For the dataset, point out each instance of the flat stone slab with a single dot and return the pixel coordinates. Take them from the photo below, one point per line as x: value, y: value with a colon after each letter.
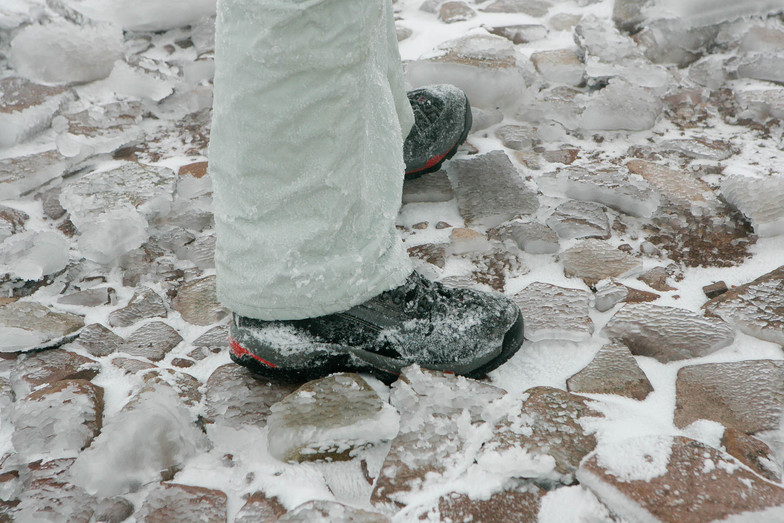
x: 145, y: 304
x: 753, y: 453
x: 490, y: 191
x: 680, y: 188
x: 678, y: 480
x: 612, y: 371
x: 555, y: 313
x: 761, y: 200
x: 197, y: 303
x: 699, y: 148
x: 744, y: 395
x: 532, y: 237
x: 321, y: 510
x: 595, y: 260
x: 576, y: 219
x: 98, y: 340
x: 535, y: 8
x: 152, y: 341
x: 173, y: 502
x: 260, y: 508
x: 517, y: 137
x: 329, y: 419
x: 523, y: 504
x: 27, y: 108
x: 667, y: 333
x: 559, y: 66
x: 28, y: 325
x: 756, y: 308
x: 520, y: 33
x: 49, y: 366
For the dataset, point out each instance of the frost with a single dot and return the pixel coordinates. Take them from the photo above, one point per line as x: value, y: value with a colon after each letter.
x: 553, y: 312
x: 636, y: 459
x: 32, y: 255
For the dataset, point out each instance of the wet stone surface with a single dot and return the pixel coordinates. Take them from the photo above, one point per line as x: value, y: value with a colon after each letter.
x: 98, y: 340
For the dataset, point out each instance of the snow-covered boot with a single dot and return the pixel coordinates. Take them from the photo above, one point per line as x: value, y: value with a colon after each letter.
x: 442, y: 120
x: 460, y: 331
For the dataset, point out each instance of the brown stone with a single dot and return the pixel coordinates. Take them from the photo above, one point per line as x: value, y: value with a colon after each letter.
x: 612, y: 371
x: 564, y: 156
x: 260, y: 509
x: 553, y: 312
x: 98, y: 340
x: 679, y: 187
x: 50, y: 366
x: 521, y: 505
x: 745, y: 395
x: 197, y: 303
x: 420, y: 226
x: 333, y: 512
x: 432, y: 253
x: 215, y: 338
x: 656, y: 278
x: 49, y: 496
x: 146, y: 304
x: 455, y: 11
x: 132, y: 366
x: 197, y: 170
x: 152, y: 341
x: 50, y: 328
x: 715, y: 289
x: 752, y: 452
x: 182, y: 363
x: 595, y: 260
x: 639, y: 296
x: 683, y: 481
x: 174, y: 502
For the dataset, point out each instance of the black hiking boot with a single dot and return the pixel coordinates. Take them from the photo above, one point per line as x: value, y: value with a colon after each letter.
x: 442, y: 120
x: 452, y: 330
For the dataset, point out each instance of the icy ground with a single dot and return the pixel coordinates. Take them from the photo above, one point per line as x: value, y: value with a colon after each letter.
x: 622, y: 183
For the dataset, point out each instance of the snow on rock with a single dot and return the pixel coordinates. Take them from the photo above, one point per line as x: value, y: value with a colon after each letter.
x: 154, y: 433
x: 322, y: 511
x: 65, y: 53
x: 144, y: 304
x: 576, y: 219
x: 675, y: 41
x: 484, y: 66
x: 699, y: 148
x: 518, y: 137
x: 763, y: 66
x: 12, y: 221
x: 112, y: 510
x: 522, y: 503
x: 761, y: 104
x: 745, y: 395
x: 49, y: 366
x: 756, y: 308
x: 612, y: 371
x: 57, y: 421
x: 111, y: 234
x: 22, y: 174
x: 260, y: 508
x: 490, y: 190
x: 554, y: 313
x: 234, y: 398
x: 98, y: 340
x: 152, y: 341
x: 98, y: 130
x: 28, y: 325
x: 575, y: 504
x: 128, y: 80
x: 31, y: 255
x: 704, y: 12
x: 621, y: 106
x: 433, y: 187
x: 27, y: 108
x: 451, y: 12
x: 595, y: 260
x: 50, y: 496
x: 649, y: 478
x: 561, y: 66
x: 146, y: 15
x: 753, y: 453
x: 667, y: 333
x: 532, y: 237
x: 90, y: 297
x: 534, y: 8
x: 329, y: 419
x: 197, y: 304
x: 678, y: 188
x: 609, y: 187
x: 759, y: 199
x: 520, y: 33
x: 174, y: 502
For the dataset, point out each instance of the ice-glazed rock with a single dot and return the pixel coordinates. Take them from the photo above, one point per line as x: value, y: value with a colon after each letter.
x: 612, y: 371
x: 756, y: 308
x: 490, y: 190
x: 146, y: 15
x: 628, y: 14
x: 554, y: 313
x: 50, y: 496
x: 65, y: 53
x: 132, y: 81
x: 321, y: 511
x: 709, y: 71
x: 699, y: 148
x: 564, y: 155
x: 25, y: 173
x: 143, y: 305
x: 98, y: 130
x: 532, y: 237
x: 621, y: 106
x: 517, y: 137
x: 175, y: 502
x: 201, y: 252
x: 609, y: 187
x: 761, y: 104
x: 215, y: 338
x: 111, y: 234
x: 90, y: 297
x: 98, y: 340
x: 27, y: 108
x: 678, y: 188
x: 576, y: 219
x: 667, y: 333
x: 535, y: 8
x: 609, y: 296
x: 329, y: 419
x: 197, y: 304
x: 595, y: 260
x: 12, y: 221
x: 433, y: 187
x: 705, y: 12
x: 440, y: 416
x: 131, y: 365
x: 260, y: 508
x: 50, y: 366
x: 484, y: 66
x: 765, y: 36
x: 453, y: 11
x: 28, y: 325
x: 649, y: 478
x: 31, y: 255
x: 523, y: 504
x: 234, y: 398
x: 57, y: 421
x: 745, y: 395
x: 113, y: 510
x: 752, y: 452
x: 153, y: 341
x: 767, y: 66
x: 559, y: 66
x: 520, y: 33
x: 673, y: 41
x: 760, y: 199
x: 154, y: 434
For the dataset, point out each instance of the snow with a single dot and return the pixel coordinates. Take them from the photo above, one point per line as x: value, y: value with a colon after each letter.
x: 111, y: 234
x: 145, y: 15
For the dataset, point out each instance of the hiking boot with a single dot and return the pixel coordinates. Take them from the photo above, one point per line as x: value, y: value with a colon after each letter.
x: 442, y: 120
x: 421, y: 322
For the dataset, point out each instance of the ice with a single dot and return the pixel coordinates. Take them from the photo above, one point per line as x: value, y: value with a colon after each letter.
x: 532, y: 237
x: 576, y: 219
x: 675, y: 41
x: 621, y: 106
x: 761, y: 104
x: 484, y: 66
x: 98, y: 130
x: 705, y: 12
x: 767, y: 66
x: 521, y: 33
x: 709, y: 71
x: 574, y: 504
x: 760, y: 199
x: 18, y: 331
x: 23, y: 174
x: 203, y: 34
x: 554, y: 313
x: 32, y: 255
x: 136, y: 82
x: 433, y: 187
x: 517, y: 137
x: 111, y: 234
x: 27, y: 108
x: 136, y: 445
x: 65, y: 53
x: 595, y: 260
x: 146, y: 15
x: 559, y: 66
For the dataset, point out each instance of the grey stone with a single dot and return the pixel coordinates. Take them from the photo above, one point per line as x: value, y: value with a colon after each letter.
x: 627, y: 14
x: 197, y: 303
x: 761, y: 104
x: 667, y: 333
x: 553, y: 312
x: 112, y: 510
x: 455, y: 11
x: 49, y: 366
x: 595, y: 260
x: 612, y: 371
x: 98, y: 340
x: 763, y: 66
x: 432, y: 187
x: 90, y: 297
x: 699, y: 148
x: 215, y: 338
x: 201, y: 252
x: 576, y: 219
x: 49, y: 329
x: 490, y: 191
x: 517, y: 137
x: 145, y: 304
x: 609, y: 296
x: 152, y: 341
x: 675, y: 41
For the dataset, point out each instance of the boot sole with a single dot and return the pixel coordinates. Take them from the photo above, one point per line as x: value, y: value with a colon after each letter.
x: 350, y: 359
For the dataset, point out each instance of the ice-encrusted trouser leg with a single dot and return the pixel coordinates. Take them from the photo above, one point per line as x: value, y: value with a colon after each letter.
x: 306, y: 159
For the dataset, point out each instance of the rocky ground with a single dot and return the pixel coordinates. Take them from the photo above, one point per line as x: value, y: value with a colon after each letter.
x: 621, y: 183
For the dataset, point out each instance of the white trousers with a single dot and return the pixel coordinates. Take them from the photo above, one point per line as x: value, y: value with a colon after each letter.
x: 309, y: 117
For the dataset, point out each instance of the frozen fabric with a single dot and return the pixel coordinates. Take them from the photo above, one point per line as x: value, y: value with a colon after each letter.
x: 309, y: 117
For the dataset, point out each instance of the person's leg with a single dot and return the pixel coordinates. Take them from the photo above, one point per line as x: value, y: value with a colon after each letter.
x: 306, y: 156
